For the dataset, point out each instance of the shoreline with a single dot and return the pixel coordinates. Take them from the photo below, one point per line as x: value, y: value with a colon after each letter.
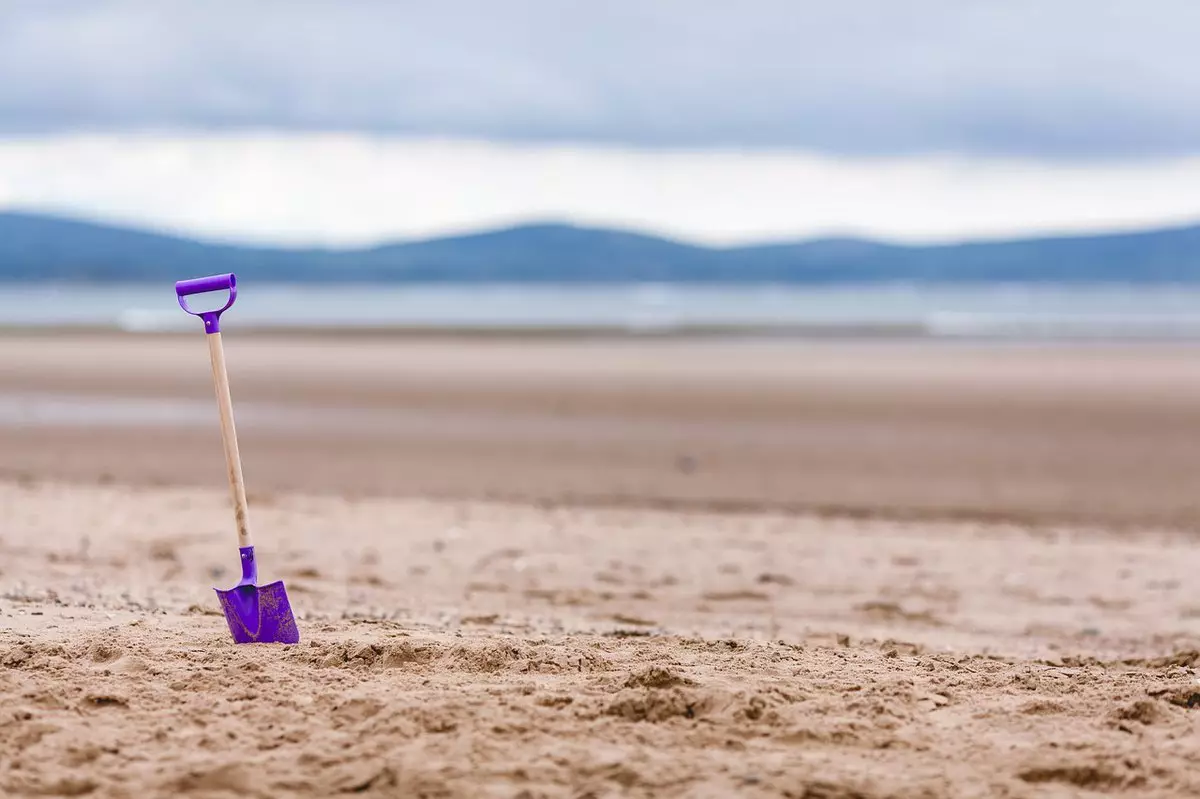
x: 797, y: 334
x: 602, y: 332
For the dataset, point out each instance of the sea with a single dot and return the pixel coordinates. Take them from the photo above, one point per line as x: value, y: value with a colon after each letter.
x: 978, y: 311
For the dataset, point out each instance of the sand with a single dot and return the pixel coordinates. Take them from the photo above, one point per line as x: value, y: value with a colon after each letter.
x: 593, y: 568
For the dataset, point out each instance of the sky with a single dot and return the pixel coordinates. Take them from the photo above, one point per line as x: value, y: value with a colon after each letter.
x: 355, y: 122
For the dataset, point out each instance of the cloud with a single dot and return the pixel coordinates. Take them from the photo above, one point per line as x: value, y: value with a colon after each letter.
x: 1047, y: 78
x: 357, y: 189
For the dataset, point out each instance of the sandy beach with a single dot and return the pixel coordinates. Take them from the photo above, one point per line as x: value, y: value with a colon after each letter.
x: 603, y: 567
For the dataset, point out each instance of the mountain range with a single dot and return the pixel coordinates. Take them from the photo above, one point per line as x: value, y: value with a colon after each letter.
x: 48, y: 248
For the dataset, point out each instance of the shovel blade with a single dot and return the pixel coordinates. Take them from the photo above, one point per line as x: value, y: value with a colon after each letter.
x: 259, y: 614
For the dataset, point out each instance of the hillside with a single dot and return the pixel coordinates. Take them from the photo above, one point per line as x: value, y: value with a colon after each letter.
x: 37, y: 248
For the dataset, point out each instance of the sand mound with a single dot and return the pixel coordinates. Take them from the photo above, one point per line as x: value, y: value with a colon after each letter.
x: 379, y: 710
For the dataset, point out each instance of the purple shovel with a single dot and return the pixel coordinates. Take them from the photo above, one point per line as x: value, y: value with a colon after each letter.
x: 255, y: 613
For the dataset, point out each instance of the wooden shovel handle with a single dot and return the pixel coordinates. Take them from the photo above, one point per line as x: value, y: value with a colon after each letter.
x: 233, y: 459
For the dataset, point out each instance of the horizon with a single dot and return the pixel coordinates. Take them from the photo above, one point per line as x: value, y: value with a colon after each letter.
x: 550, y: 224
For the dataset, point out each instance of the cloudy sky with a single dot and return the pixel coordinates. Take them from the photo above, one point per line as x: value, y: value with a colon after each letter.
x: 357, y: 121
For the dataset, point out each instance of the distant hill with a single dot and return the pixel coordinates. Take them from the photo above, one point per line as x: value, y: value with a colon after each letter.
x: 43, y: 248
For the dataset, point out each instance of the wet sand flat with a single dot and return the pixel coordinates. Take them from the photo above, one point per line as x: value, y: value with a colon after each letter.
x: 1026, y: 433
x: 598, y: 568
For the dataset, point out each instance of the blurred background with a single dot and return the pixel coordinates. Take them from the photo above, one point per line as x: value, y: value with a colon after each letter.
x: 487, y: 165
x: 921, y: 257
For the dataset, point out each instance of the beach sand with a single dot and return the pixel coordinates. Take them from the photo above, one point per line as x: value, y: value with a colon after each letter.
x: 589, y: 568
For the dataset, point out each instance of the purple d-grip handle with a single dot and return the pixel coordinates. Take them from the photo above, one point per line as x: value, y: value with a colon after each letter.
x: 201, y: 285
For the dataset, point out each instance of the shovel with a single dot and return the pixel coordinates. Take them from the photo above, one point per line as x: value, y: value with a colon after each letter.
x: 256, y: 613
